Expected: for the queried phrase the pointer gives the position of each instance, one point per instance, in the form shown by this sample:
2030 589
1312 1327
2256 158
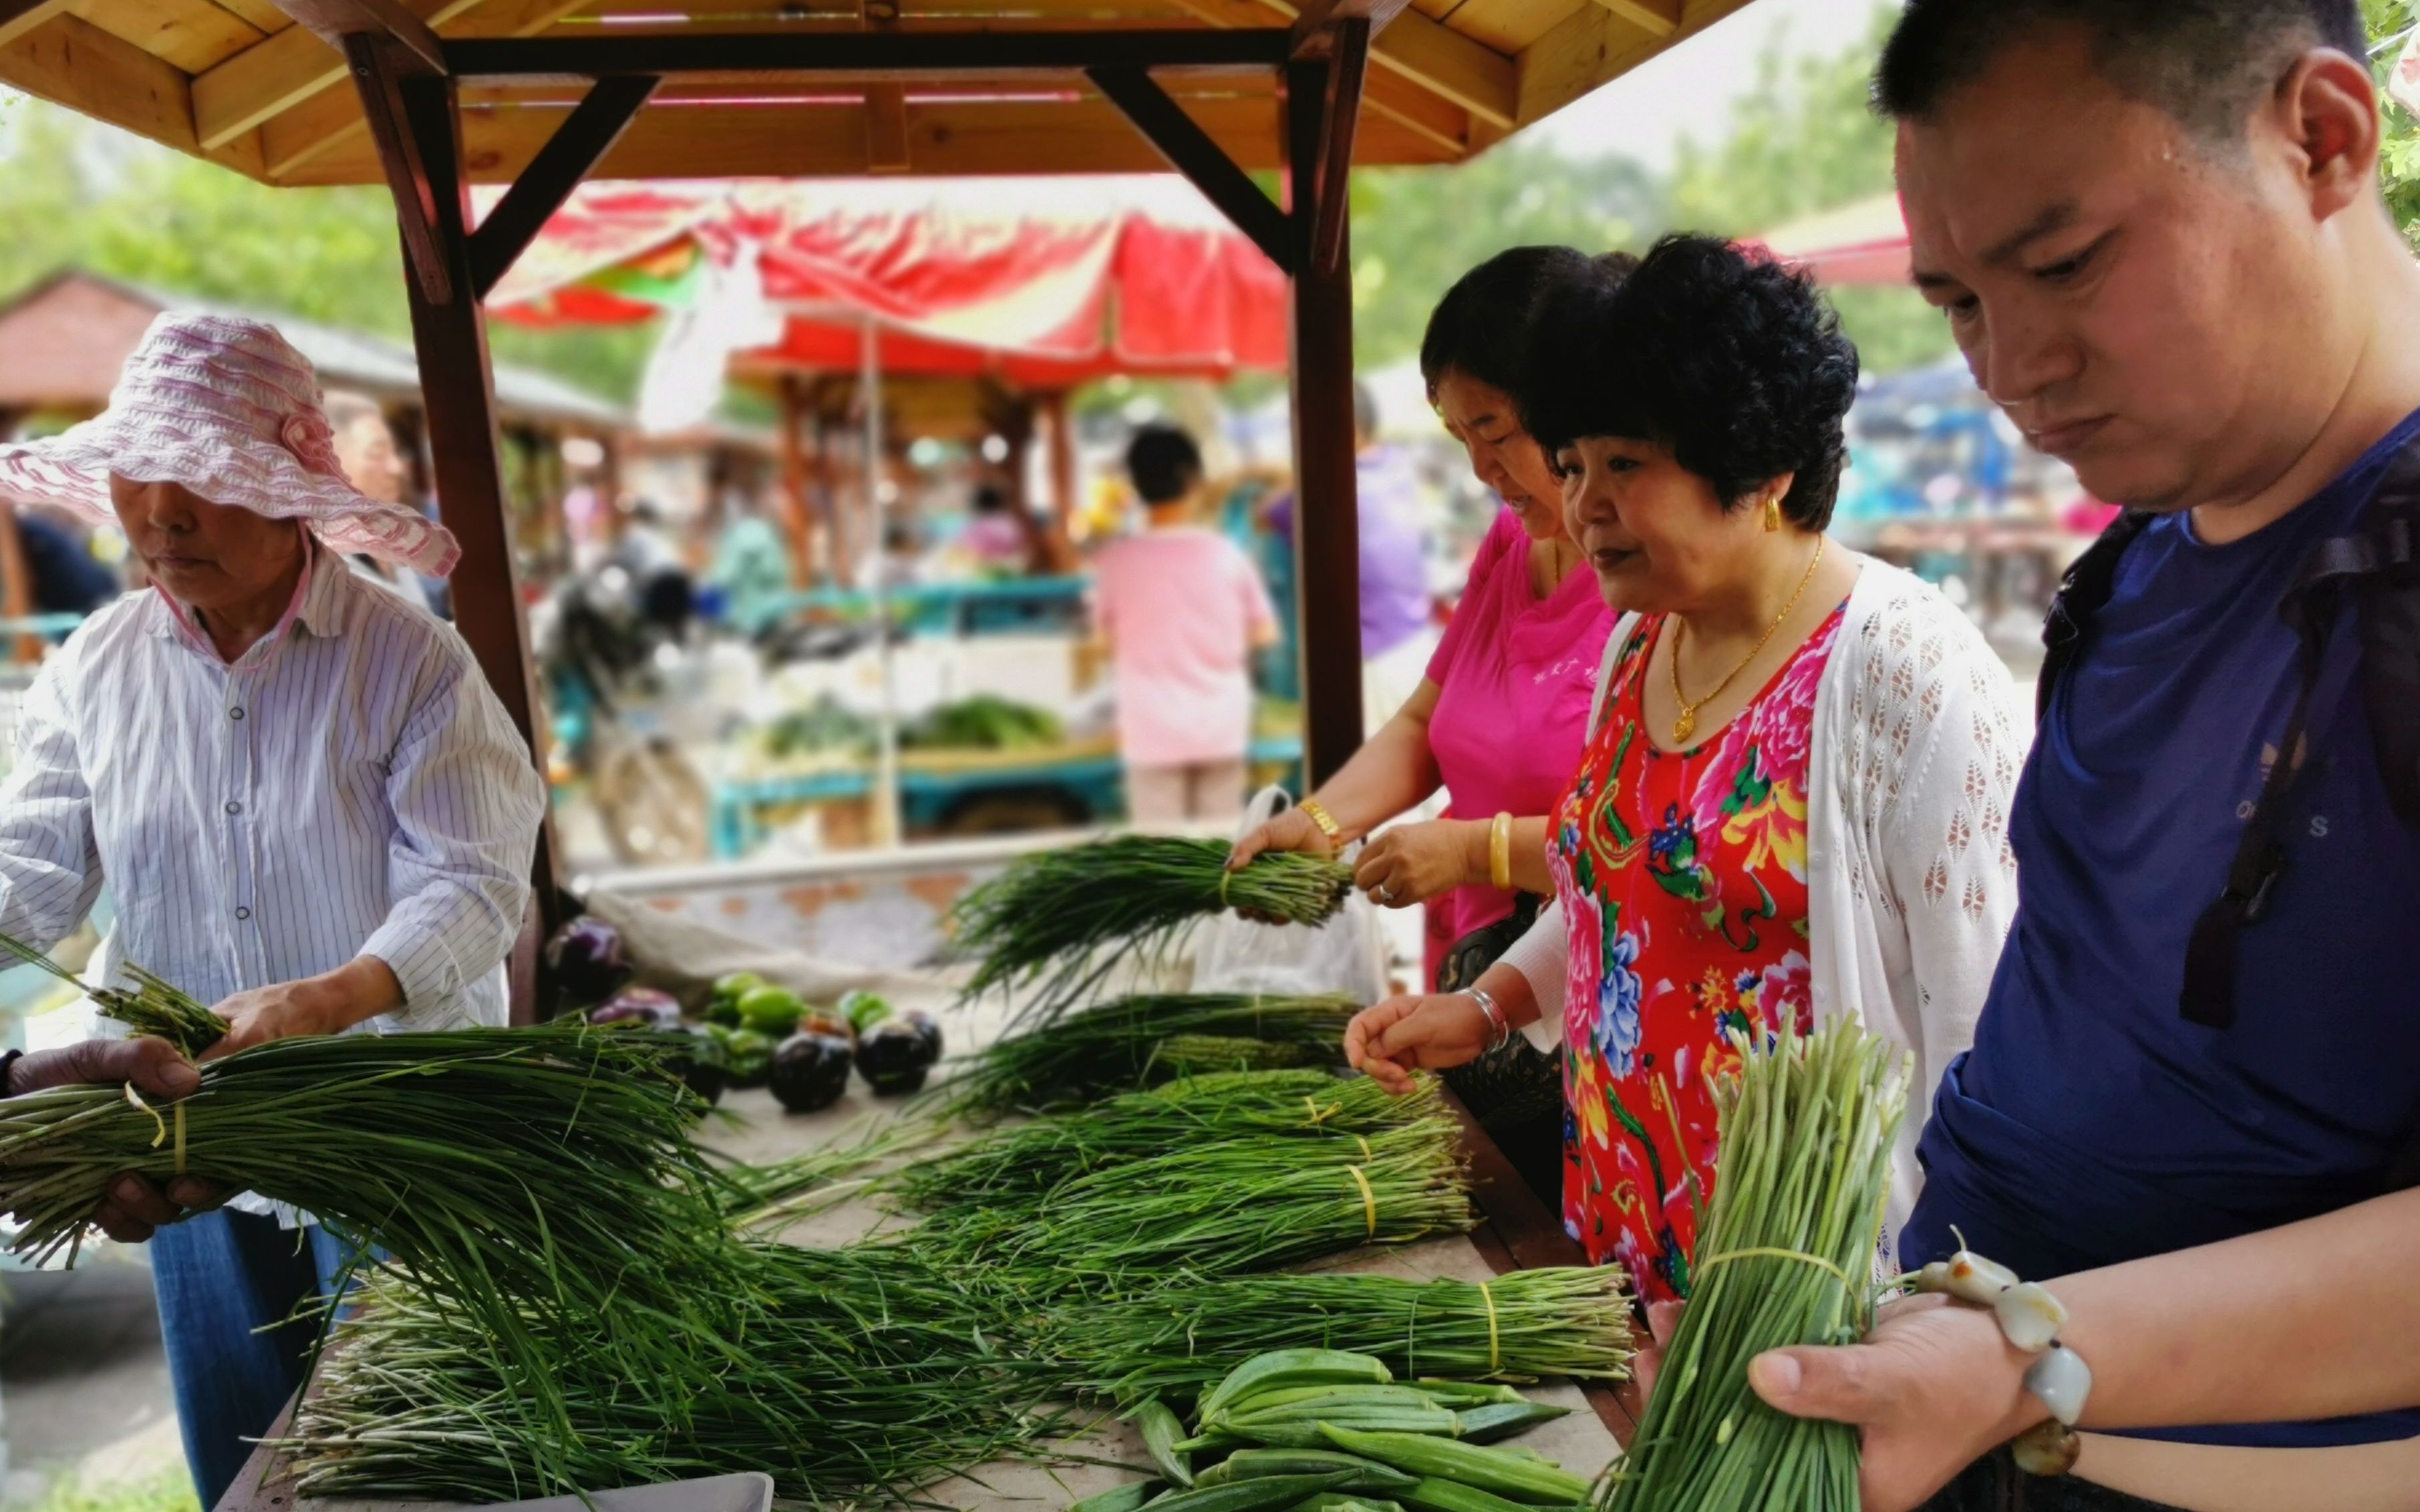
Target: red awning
1861 243
1041 281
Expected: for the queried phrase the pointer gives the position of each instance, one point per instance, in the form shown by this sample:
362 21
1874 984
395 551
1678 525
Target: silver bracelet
1499 1028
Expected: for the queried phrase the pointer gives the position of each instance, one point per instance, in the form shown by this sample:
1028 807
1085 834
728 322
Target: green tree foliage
1416 231
2390 22
1804 141
81 195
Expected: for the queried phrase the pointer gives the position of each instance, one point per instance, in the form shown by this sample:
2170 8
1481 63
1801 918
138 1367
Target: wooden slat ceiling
235 82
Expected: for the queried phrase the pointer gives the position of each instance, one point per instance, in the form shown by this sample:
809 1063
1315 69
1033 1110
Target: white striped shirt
350 787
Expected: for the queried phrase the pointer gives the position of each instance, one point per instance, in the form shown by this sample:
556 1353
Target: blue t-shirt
2092 1124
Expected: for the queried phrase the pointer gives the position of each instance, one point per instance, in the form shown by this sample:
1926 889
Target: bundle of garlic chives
1786 1257
528 1178
154 1008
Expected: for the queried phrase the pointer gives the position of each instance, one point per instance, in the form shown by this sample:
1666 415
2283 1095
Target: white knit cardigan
1910 879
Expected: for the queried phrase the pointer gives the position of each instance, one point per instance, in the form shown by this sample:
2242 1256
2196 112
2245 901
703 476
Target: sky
1688 90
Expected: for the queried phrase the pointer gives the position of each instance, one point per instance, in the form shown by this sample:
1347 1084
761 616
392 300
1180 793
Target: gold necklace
1687 725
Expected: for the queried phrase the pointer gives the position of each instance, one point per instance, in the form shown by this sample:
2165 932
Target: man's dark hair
1482 328
2204 62
1164 463
1732 361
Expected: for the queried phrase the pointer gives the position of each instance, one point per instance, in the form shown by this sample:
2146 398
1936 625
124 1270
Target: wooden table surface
1517 1231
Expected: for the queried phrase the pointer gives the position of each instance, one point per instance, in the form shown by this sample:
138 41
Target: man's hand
326 1005
1413 863
134 1206
1402 1034
1932 1389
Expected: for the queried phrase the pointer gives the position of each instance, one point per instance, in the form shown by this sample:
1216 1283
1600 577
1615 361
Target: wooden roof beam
1314 27
1414 49
18 17
1656 18
1598 43
300 133
1192 151
334 20
866 55
274 76
577 145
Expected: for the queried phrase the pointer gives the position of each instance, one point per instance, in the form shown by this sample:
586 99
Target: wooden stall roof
239 83
68 335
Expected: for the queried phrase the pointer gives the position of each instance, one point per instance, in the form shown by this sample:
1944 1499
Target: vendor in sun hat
308 805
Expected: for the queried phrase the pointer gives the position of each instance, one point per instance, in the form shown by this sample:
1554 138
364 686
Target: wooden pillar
1327 521
458 387
1062 461
16 584
835 562
794 486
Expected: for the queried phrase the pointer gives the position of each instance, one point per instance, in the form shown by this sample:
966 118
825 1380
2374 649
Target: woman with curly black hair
1794 801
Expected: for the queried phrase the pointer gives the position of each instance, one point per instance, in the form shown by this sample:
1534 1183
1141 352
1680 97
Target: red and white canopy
1043 281
1865 242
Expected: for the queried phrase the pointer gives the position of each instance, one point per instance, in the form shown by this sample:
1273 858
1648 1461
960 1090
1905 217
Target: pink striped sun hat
230 409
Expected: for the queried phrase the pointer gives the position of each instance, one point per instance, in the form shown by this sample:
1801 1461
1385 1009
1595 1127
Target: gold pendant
1684 727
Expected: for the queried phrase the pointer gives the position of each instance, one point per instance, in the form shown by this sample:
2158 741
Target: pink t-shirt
1181 609
1514 675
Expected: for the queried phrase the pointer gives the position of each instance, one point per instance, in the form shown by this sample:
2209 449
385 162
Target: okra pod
1161 1434
1435 1494
1461 1394
1263 1494
1502 1420
1305 1433
1509 1476
1127 1498
1368 1475
1296 1368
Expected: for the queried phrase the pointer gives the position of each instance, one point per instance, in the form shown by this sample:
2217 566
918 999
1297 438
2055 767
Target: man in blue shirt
2155 228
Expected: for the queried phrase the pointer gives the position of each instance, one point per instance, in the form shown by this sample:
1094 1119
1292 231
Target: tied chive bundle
529 1180
1024 1162
1177 1340
1786 1258
152 1008
1044 922
849 1375
1132 1042
1237 1205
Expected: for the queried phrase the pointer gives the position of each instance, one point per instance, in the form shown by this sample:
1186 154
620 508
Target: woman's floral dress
1684 882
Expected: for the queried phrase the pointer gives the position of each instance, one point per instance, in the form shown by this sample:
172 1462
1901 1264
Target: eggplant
811 1070
587 962
641 1006
897 1053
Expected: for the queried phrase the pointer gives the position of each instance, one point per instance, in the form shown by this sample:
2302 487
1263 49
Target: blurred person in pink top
1182 612
1501 718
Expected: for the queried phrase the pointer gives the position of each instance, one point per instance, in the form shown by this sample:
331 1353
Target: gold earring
1772 514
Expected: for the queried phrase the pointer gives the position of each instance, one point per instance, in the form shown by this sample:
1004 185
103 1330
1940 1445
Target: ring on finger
1386 894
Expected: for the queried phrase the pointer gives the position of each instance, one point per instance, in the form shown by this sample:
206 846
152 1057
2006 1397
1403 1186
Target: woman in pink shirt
1182 611
1501 718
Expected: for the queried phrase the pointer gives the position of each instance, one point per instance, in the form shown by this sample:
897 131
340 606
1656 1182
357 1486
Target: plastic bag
1345 955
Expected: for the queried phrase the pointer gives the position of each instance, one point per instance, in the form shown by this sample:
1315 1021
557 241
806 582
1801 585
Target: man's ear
2326 110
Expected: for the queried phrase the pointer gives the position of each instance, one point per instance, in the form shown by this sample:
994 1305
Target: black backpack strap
2084 591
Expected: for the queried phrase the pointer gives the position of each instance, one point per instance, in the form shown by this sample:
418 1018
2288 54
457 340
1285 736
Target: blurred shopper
2157 233
310 807
1182 612
658 573
752 565
1792 805
366 448
68 578
1001 545
1499 719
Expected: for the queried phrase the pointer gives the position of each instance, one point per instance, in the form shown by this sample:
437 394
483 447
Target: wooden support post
16 584
1192 151
794 487
1347 66
1327 521
1062 461
457 389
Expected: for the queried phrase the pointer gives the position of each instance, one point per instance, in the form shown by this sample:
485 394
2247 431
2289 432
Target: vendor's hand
135 1206
1290 831
325 1005
1413 863
1407 1034
1663 1319
1932 1389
